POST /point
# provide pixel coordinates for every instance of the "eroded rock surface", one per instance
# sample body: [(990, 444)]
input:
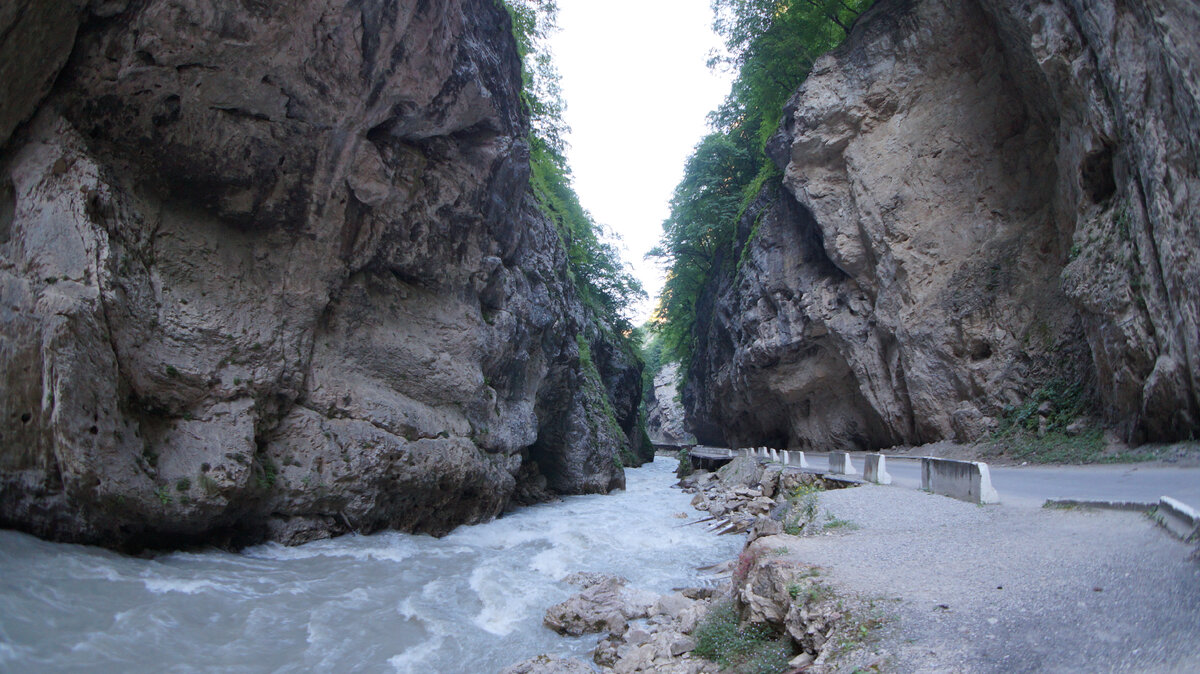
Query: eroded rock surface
[(666, 423), (271, 272), (978, 198), (548, 664), (644, 632), (604, 605)]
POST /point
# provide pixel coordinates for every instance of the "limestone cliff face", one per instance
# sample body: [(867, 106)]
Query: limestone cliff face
[(666, 420), (978, 196), (269, 271)]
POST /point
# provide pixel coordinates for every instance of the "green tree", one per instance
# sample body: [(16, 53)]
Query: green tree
[(603, 279), (772, 45), (534, 21), (704, 210)]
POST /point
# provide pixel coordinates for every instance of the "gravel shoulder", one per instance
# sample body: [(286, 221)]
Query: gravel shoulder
[(1007, 589)]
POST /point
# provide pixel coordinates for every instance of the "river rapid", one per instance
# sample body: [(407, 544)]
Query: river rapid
[(472, 601)]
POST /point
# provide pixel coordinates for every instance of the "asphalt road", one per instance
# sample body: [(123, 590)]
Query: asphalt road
[(1032, 485), (1009, 590)]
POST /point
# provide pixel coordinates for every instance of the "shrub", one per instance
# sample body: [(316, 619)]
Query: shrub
[(266, 478), (832, 522), (802, 508), (685, 464), (1027, 434), (1066, 402), (209, 485), (749, 649)]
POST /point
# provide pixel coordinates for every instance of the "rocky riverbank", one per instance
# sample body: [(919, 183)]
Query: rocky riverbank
[(764, 610), (888, 579)]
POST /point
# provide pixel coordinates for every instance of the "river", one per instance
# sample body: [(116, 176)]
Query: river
[(469, 602)]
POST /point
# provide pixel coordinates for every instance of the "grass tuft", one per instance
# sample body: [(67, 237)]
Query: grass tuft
[(749, 649), (832, 522), (1037, 430)]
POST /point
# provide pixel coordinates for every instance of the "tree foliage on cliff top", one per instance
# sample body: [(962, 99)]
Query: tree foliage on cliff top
[(602, 278), (772, 44)]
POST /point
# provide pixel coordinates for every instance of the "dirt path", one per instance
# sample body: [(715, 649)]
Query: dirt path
[(1012, 589)]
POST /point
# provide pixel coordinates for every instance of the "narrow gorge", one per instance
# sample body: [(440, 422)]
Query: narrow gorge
[(281, 275), (313, 358)]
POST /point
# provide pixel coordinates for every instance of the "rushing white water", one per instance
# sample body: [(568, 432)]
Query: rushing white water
[(470, 602)]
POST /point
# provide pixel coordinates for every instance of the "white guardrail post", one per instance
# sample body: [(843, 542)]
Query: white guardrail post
[(875, 469), (839, 464)]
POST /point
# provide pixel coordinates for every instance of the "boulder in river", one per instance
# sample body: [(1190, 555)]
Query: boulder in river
[(604, 605), (549, 664)]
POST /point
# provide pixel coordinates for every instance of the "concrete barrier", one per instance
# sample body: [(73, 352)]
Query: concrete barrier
[(793, 458), (875, 469), (839, 464), (774, 455), (1099, 504), (1179, 518), (964, 480)]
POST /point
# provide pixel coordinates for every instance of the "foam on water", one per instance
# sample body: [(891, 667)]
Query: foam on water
[(470, 602), (389, 547), (413, 660), (506, 602), (8, 653), (191, 586)]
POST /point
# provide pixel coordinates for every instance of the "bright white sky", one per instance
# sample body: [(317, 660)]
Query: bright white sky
[(637, 91)]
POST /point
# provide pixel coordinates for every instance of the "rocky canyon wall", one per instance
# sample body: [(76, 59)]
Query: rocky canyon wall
[(978, 197), (666, 420), (269, 271)]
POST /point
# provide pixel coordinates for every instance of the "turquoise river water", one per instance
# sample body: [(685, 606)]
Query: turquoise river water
[(472, 601)]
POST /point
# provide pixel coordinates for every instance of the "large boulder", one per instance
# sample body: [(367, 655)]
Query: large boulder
[(548, 664), (604, 605), (742, 471)]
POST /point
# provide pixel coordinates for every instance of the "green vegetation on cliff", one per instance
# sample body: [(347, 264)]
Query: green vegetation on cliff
[(772, 45), (602, 278)]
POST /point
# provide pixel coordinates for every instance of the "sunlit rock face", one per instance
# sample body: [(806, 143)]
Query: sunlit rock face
[(666, 421), (268, 271), (978, 197)]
